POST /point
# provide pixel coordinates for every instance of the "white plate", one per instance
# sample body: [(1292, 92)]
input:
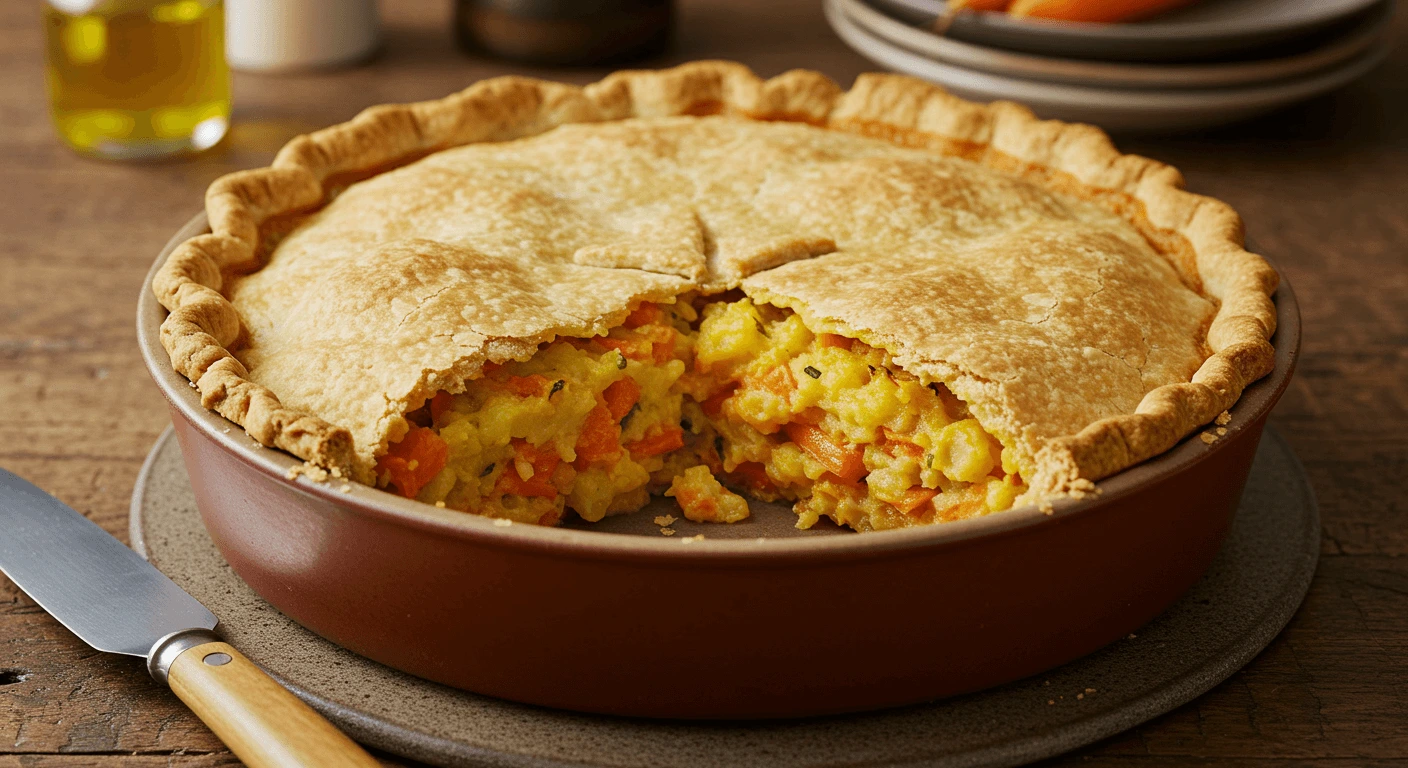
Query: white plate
[(1206, 30), (1352, 42), (1114, 109)]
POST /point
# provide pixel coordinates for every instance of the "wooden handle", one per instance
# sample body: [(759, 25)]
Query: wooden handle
[(258, 719)]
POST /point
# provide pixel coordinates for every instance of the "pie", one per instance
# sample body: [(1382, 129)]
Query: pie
[(887, 306)]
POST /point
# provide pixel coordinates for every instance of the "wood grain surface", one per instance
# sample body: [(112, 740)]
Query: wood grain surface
[(1323, 188)]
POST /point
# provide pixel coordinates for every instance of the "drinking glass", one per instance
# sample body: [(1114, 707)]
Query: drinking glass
[(131, 79)]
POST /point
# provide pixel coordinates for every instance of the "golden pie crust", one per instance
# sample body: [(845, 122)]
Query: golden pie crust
[(1090, 311)]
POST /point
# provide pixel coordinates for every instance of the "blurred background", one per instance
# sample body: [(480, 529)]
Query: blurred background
[(143, 79), (115, 115)]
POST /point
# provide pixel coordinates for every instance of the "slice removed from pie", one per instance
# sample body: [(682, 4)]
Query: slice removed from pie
[(744, 393), (586, 424)]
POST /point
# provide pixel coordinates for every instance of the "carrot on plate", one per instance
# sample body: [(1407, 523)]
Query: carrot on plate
[(414, 461), (978, 5), (1097, 11)]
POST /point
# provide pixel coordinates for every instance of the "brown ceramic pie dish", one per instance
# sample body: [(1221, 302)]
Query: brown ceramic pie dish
[(776, 624), (531, 304)]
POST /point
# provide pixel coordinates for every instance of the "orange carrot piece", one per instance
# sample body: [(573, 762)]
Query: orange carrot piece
[(1097, 11), (633, 349), (778, 381), (844, 460), (696, 505), (662, 342), (658, 439), (544, 462), (535, 385), (713, 405), (964, 508), (645, 314), (896, 444), (439, 404), (833, 340), (663, 351), (832, 477), (754, 474), (979, 5), (621, 396), (600, 439), (913, 498), (414, 461)]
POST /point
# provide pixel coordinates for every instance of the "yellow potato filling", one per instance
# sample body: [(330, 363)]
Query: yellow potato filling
[(827, 422), (704, 499), (685, 394), (583, 424)]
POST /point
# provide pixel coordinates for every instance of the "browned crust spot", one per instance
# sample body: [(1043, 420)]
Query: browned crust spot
[(1201, 236)]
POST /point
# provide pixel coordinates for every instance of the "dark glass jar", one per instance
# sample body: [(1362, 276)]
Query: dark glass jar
[(564, 32)]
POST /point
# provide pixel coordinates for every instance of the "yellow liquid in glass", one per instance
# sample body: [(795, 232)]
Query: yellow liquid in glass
[(137, 78)]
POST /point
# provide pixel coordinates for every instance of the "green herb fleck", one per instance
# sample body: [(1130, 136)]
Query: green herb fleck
[(812, 372), (686, 425), (620, 361), (557, 387), (487, 470)]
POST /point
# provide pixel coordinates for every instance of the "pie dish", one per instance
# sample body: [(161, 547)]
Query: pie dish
[(612, 617), (887, 305)]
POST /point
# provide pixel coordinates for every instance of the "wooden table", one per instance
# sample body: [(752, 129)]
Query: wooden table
[(1323, 187)]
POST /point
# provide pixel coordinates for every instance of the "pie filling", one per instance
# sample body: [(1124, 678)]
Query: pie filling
[(692, 397)]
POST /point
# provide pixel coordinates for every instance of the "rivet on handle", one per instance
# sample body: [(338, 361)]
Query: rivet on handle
[(168, 648)]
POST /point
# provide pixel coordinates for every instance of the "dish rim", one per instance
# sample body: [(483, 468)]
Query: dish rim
[(275, 464)]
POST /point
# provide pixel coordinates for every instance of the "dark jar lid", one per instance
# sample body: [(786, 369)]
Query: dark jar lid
[(564, 31)]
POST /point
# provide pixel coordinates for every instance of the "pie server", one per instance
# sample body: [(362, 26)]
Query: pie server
[(119, 603)]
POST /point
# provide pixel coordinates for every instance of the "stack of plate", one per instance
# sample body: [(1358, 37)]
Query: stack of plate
[(1214, 62)]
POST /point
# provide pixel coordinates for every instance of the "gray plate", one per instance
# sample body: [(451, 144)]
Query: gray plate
[(1221, 74), (1124, 110), (1211, 29), (1247, 596)]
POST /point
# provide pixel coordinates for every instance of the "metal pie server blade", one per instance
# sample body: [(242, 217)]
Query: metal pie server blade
[(102, 591), (115, 601)]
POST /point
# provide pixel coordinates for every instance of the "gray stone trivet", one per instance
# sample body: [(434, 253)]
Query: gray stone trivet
[(1248, 595)]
